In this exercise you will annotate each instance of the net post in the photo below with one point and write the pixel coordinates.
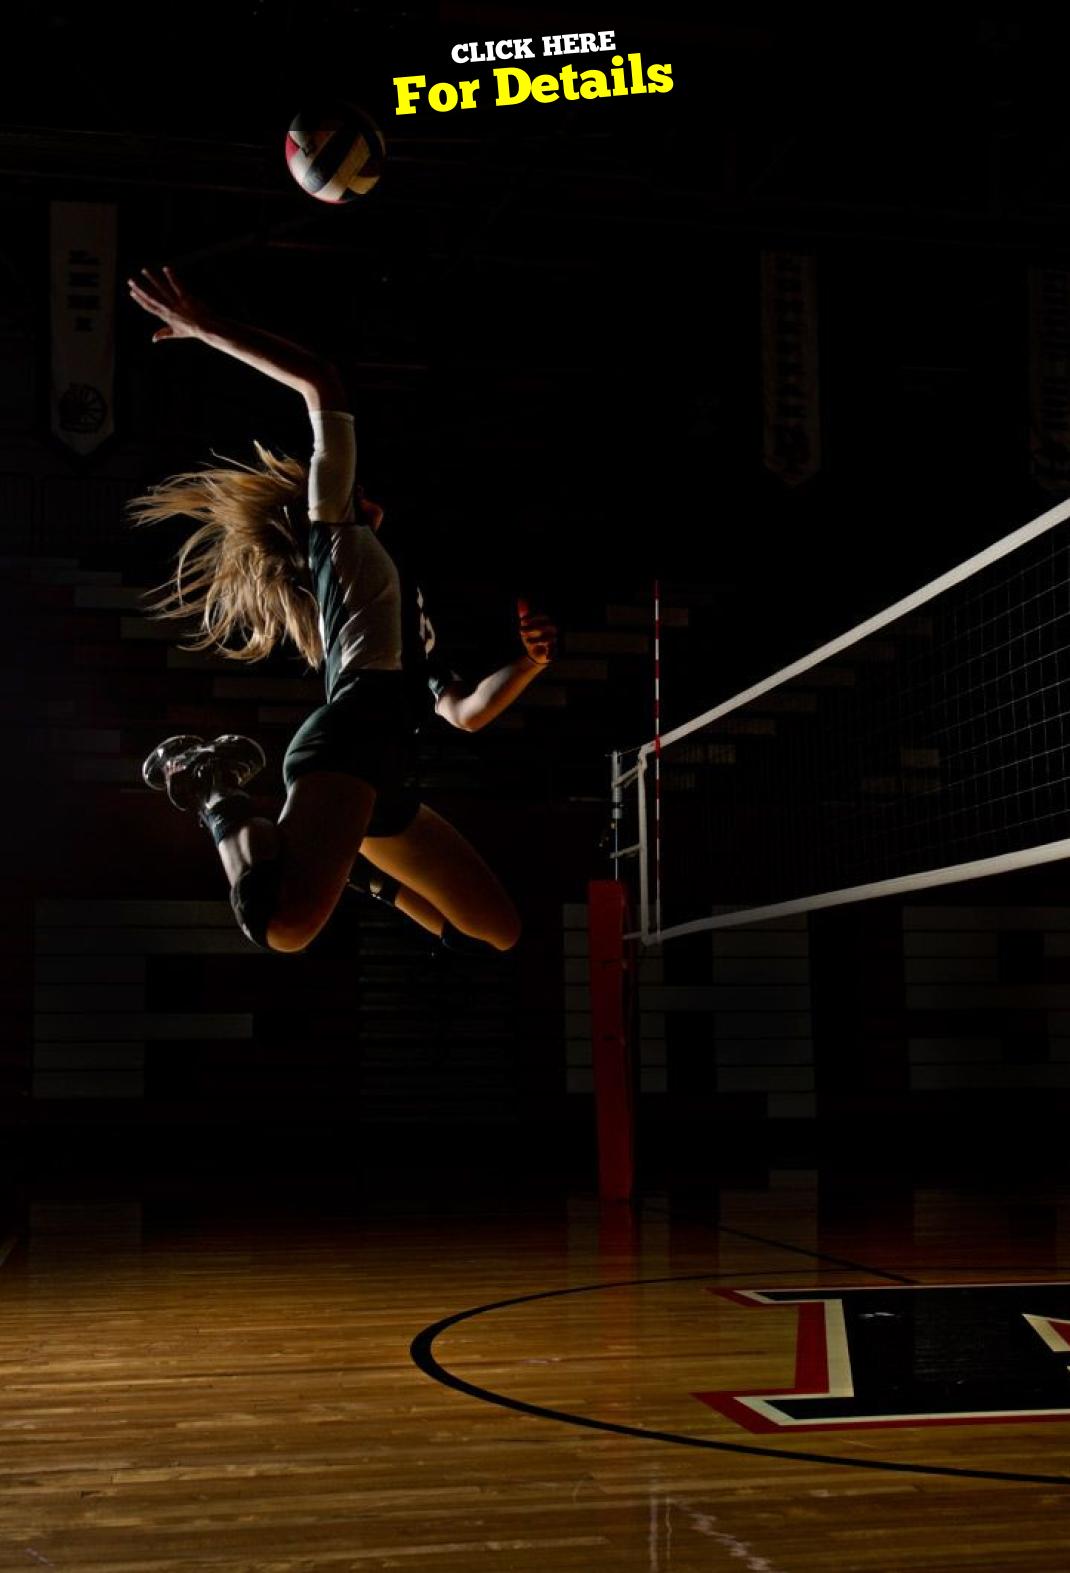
(614, 1096)
(657, 755)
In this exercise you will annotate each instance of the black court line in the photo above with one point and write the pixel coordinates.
(823, 1256)
(785, 1245)
(422, 1353)
(820, 1256)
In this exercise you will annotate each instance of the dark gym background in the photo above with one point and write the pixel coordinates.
(549, 321)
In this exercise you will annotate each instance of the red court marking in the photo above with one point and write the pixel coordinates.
(812, 1380)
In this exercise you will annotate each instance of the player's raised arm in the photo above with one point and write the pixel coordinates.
(184, 316)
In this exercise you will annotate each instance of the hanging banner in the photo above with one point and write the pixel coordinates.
(1049, 377)
(83, 322)
(792, 439)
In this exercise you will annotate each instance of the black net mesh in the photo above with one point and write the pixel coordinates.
(939, 740)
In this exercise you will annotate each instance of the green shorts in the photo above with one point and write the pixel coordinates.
(362, 731)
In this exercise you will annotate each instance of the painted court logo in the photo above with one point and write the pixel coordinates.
(954, 1354)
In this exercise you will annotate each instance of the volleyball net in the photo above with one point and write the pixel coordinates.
(929, 745)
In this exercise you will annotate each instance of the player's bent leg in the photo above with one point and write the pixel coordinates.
(371, 881)
(439, 865)
(320, 832)
(285, 879)
(254, 899)
(206, 779)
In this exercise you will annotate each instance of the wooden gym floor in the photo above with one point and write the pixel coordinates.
(287, 1388)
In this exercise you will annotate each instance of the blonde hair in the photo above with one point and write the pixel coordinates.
(244, 571)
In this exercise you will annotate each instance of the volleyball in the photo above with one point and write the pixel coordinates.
(335, 153)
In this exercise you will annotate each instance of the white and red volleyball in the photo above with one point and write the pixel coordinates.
(335, 153)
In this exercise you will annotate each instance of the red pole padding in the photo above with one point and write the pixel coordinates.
(614, 1094)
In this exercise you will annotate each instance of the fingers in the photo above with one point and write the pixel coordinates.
(529, 618)
(153, 291)
(162, 286)
(146, 301)
(161, 294)
(152, 286)
(538, 635)
(178, 289)
(536, 625)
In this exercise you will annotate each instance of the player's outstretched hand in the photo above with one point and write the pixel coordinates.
(538, 634)
(162, 295)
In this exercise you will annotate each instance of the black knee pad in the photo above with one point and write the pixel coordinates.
(465, 944)
(254, 897)
(371, 881)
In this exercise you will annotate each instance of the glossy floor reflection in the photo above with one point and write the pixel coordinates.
(305, 1382)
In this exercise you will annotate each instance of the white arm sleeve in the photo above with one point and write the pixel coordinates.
(332, 473)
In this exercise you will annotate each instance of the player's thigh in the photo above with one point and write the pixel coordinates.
(433, 858)
(321, 826)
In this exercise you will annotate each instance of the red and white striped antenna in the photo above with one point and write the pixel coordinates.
(657, 756)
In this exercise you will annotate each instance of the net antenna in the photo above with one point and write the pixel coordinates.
(928, 745)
